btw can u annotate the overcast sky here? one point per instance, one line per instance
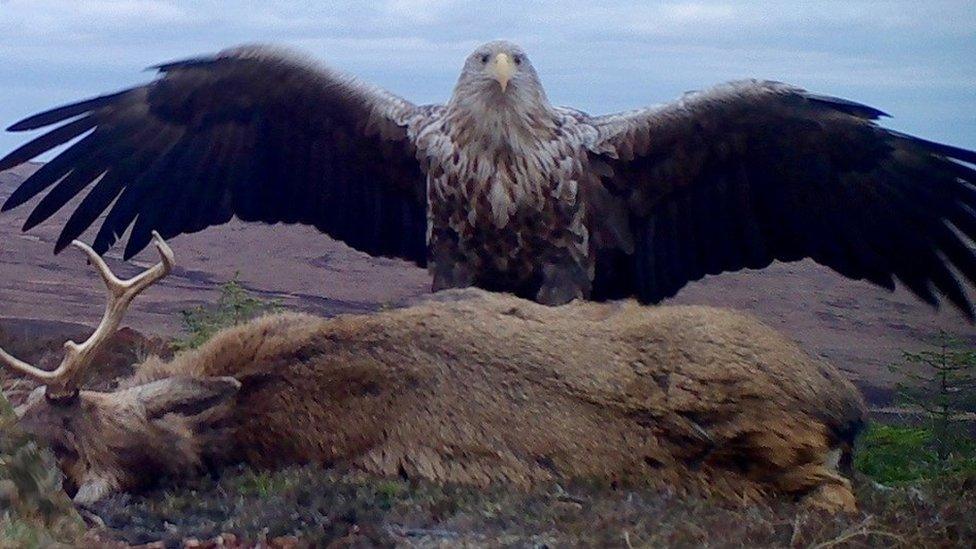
(915, 60)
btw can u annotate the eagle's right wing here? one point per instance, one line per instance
(252, 132)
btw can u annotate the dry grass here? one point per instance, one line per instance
(34, 511)
(316, 507)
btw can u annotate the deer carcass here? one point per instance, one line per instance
(469, 387)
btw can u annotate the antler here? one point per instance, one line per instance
(64, 379)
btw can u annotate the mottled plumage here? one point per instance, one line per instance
(500, 189)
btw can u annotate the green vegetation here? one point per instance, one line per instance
(389, 491)
(261, 483)
(939, 386)
(334, 507)
(892, 454)
(943, 385)
(34, 510)
(236, 305)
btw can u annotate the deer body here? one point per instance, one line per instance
(474, 387)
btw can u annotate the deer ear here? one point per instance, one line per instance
(184, 395)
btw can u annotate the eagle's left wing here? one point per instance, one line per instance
(752, 172)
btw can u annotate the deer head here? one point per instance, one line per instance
(111, 441)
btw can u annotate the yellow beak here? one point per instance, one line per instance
(502, 69)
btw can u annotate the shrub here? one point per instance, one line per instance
(34, 510)
(939, 386)
(942, 384)
(892, 454)
(236, 305)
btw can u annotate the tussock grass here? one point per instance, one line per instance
(320, 507)
(34, 510)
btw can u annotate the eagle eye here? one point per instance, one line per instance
(517, 59)
(484, 58)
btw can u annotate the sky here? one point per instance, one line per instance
(914, 60)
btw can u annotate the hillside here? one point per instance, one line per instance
(856, 326)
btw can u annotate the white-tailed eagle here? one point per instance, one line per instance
(500, 189)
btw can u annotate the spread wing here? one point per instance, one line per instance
(752, 172)
(253, 132)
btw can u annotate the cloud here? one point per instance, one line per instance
(52, 15)
(417, 11)
(600, 56)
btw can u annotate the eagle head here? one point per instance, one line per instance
(499, 100)
(499, 75)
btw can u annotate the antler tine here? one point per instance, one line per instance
(133, 286)
(120, 294)
(112, 282)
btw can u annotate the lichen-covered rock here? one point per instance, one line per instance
(34, 510)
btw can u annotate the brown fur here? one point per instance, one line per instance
(493, 388)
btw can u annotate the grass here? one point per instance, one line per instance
(323, 506)
(34, 510)
(892, 454)
(941, 384)
(261, 484)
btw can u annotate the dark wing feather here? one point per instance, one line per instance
(253, 132)
(753, 172)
